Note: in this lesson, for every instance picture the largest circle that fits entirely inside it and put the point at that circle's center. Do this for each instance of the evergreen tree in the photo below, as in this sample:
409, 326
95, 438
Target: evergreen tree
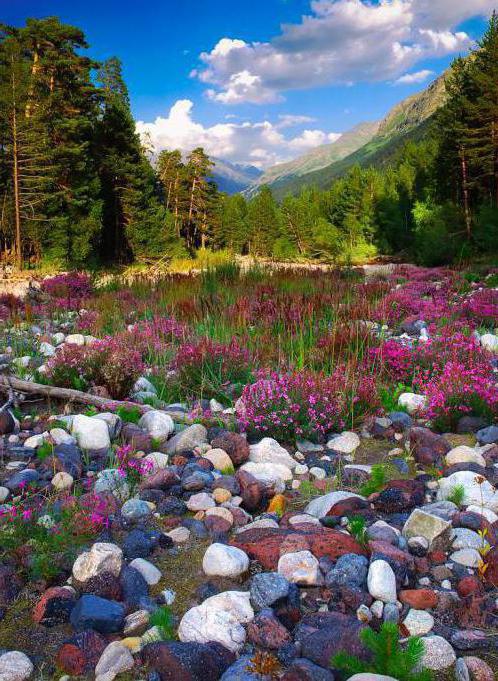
263, 220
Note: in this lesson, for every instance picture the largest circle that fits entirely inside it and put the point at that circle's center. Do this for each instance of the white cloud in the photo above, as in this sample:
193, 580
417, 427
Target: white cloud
290, 120
411, 78
340, 41
261, 143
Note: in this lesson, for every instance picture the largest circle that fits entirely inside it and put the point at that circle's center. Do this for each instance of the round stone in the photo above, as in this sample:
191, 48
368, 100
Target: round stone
418, 622
62, 481
438, 653
300, 567
381, 581
224, 561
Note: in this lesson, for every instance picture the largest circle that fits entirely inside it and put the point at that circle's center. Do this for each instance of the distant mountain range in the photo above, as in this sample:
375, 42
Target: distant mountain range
234, 177
371, 143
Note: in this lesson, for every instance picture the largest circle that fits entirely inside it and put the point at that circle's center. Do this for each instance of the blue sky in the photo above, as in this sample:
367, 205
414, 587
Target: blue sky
262, 81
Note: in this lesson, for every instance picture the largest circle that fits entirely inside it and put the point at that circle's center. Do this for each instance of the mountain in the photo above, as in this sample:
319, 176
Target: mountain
316, 159
233, 177
407, 120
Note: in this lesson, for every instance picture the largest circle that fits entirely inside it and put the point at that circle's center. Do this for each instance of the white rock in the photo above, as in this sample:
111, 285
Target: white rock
221, 512
368, 676
464, 454
75, 339
422, 524
463, 538
143, 384
268, 450
113, 422
485, 512
268, 473
102, 557
381, 581
489, 342
4, 493
148, 571
47, 349
35, 441
179, 535
219, 618
412, 402
318, 473
303, 518
224, 561
262, 522
300, 567
90, 433
111, 480
377, 609
200, 502
467, 557
477, 494
220, 459
320, 506
346, 443
158, 424
301, 469
58, 338
115, 659
62, 481
158, 461
438, 653
61, 437
418, 622
15, 666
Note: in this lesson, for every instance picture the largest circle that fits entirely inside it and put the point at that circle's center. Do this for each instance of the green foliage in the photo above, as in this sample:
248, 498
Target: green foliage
378, 480
45, 450
456, 495
162, 618
388, 657
389, 395
357, 527
436, 231
131, 414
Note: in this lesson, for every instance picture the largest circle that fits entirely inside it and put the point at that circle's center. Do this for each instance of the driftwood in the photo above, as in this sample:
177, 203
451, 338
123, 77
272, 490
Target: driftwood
9, 384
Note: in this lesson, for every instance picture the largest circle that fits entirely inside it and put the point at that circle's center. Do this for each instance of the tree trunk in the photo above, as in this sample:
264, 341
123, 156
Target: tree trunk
15, 176
465, 194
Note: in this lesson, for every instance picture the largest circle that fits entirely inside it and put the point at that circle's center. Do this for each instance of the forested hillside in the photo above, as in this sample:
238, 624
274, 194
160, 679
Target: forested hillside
77, 186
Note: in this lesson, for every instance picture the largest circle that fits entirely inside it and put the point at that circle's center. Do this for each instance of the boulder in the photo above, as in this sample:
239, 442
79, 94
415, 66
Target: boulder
433, 528
157, 424
300, 567
102, 557
381, 581
15, 666
268, 450
90, 433
221, 560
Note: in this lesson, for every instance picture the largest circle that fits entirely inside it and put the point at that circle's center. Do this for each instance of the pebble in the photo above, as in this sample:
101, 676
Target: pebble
300, 567
418, 622
115, 659
148, 571
15, 666
179, 535
381, 581
438, 653
221, 560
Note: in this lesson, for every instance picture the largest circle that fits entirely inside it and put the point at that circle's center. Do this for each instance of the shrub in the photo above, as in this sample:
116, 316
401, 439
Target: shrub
72, 285
129, 414
206, 368
389, 658
68, 367
378, 480
114, 365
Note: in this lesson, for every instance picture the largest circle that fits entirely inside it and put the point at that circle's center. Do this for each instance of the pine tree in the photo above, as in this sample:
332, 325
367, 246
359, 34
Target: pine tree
263, 218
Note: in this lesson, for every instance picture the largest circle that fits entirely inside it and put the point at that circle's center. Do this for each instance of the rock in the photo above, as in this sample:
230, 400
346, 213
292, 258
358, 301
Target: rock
381, 581
178, 661
412, 402
221, 496
350, 570
179, 535
54, 607
322, 635
60, 437
7, 422
305, 670
62, 481
90, 433
111, 480
187, 439
464, 454
251, 490
134, 587
467, 557
320, 506
100, 614
224, 561
148, 571
219, 618
400, 420
143, 384
489, 342
478, 491
268, 473
35, 441
158, 461
418, 622
234, 445
157, 424
427, 447
200, 502
268, 450
420, 599
462, 538
220, 459
15, 666
266, 631
478, 669
300, 567
115, 659
135, 509
434, 529
75, 339
79, 655
371, 677
345, 443
267, 588
487, 436
102, 557
438, 653
21, 479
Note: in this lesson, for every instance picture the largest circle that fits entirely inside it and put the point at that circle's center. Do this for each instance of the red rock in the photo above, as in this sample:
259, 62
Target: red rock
7, 422
54, 607
427, 447
468, 585
251, 490
478, 669
437, 557
217, 525
349, 506
264, 544
234, 445
293, 543
420, 599
81, 653
161, 479
266, 631
177, 661
179, 460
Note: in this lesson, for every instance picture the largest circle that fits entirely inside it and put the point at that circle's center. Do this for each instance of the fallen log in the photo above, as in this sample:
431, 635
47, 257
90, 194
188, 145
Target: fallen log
11, 383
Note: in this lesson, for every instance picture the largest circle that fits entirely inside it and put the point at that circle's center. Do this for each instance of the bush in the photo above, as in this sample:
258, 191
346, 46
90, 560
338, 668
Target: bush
435, 240
72, 285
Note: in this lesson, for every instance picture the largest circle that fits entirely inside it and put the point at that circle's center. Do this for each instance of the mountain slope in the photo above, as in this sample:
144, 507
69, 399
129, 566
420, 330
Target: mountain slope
233, 177
316, 159
408, 120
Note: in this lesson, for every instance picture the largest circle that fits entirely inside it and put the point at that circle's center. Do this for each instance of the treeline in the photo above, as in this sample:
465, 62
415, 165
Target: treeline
77, 186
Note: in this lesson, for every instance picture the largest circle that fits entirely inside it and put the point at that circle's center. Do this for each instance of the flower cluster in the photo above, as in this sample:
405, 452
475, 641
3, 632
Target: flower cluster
71, 286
